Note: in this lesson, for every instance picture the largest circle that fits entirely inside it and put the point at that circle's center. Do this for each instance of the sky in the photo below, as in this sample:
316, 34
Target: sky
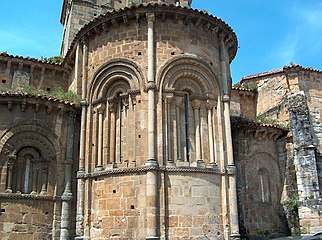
271, 33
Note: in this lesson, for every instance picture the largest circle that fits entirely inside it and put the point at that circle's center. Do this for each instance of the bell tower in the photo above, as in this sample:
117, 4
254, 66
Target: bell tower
76, 13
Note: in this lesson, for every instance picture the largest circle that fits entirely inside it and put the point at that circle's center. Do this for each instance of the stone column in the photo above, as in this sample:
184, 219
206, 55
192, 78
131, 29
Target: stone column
10, 165
168, 100
209, 107
195, 104
152, 194
67, 195
151, 87
81, 171
112, 111
178, 120
100, 110
44, 179
232, 191
234, 227
35, 169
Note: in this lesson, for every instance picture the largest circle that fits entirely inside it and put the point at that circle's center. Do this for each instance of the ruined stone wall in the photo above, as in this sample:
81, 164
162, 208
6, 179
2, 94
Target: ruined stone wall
272, 91
261, 165
243, 103
310, 83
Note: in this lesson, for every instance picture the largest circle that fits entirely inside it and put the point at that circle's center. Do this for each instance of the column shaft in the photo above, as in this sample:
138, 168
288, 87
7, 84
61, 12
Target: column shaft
152, 176
81, 171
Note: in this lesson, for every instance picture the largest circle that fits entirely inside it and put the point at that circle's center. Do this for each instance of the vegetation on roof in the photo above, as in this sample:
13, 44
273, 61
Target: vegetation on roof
252, 86
54, 59
57, 93
260, 120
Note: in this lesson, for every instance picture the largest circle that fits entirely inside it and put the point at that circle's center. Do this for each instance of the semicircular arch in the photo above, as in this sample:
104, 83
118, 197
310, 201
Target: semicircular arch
192, 71
114, 72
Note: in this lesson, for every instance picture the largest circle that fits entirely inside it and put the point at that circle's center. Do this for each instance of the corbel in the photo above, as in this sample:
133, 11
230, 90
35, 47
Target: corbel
198, 22
207, 27
115, 23
10, 105
126, 20
105, 26
23, 106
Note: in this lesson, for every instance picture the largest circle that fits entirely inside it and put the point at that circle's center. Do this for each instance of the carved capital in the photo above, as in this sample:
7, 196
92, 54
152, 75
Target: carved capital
210, 104
225, 98
83, 103
195, 104
150, 17
112, 103
151, 86
179, 100
231, 170
100, 108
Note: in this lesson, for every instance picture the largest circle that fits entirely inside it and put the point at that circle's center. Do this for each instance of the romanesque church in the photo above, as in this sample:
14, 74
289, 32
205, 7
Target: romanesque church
139, 134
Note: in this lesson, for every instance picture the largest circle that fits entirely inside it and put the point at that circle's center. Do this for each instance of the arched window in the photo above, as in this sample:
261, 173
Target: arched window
27, 173
264, 185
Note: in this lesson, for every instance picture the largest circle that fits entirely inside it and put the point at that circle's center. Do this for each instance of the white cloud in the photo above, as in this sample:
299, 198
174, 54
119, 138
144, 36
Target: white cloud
301, 41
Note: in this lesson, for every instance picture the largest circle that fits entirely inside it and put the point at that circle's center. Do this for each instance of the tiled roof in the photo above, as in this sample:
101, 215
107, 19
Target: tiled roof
240, 121
4, 54
301, 67
275, 71
40, 97
243, 89
280, 70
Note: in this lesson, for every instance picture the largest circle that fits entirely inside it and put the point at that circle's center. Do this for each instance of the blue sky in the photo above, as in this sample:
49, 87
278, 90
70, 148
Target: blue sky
271, 33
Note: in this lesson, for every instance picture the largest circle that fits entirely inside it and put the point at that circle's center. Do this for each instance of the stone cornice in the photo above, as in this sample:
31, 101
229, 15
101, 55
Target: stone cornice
168, 169
5, 57
188, 16
37, 100
18, 196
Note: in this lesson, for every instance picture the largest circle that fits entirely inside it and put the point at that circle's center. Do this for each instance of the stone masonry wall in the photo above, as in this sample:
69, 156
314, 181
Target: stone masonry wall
17, 74
243, 103
118, 208
310, 83
272, 91
191, 206
261, 171
28, 219
172, 39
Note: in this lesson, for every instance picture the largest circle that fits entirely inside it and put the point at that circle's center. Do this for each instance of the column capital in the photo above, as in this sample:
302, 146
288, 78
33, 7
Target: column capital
225, 98
168, 97
150, 17
210, 104
151, 86
179, 100
195, 104
100, 108
111, 104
